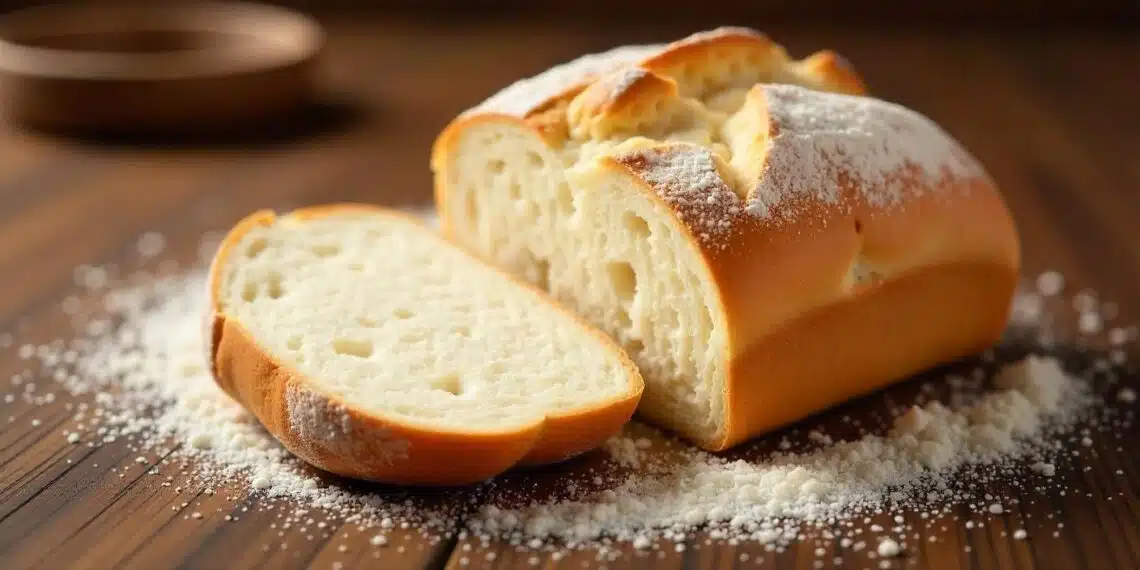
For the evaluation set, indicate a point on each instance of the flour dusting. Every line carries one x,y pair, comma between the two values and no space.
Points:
136,372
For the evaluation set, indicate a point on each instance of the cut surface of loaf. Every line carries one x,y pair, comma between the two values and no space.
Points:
762,239
373,349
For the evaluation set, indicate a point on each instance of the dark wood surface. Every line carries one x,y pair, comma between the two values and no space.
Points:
1053,114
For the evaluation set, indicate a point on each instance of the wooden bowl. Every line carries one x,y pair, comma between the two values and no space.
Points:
161,67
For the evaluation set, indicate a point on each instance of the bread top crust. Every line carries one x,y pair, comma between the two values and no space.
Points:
704,60
728,109
732,133
780,171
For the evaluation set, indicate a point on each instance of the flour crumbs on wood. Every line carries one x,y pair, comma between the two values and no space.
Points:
867,489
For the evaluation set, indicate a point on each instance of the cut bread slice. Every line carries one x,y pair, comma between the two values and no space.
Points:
764,242
373,349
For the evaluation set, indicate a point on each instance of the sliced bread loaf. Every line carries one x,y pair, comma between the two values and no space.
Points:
373,349
764,242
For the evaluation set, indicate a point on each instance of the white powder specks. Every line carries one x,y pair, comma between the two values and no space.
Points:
888,548
617,83
202,440
1126,395
693,488
150,244
1020,534
140,379
686,177
880,148
1090,323
522,97
1050,283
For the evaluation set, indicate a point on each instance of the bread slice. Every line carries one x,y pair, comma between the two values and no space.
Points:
373,349
764,242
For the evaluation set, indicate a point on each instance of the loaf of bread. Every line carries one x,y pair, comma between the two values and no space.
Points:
764,241
373,349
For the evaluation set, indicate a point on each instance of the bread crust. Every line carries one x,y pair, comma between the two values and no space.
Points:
332,434
802,337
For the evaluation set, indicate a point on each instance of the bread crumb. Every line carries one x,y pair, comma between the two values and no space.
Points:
1050,283
996,509
1090,323
888,548
1126,395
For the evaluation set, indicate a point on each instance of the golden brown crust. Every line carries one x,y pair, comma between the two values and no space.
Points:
895,243
945,293
332,434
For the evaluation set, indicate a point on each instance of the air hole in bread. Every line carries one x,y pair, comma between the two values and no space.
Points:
366,322
535,269
356,266
565,200
527,210
634,346
496,166
636,224
472,208
294,343
352,347
542,274
402,314
249,291
256,247
463,331
274,286
514,190
535,160
449,383
623,320
326,249
622,279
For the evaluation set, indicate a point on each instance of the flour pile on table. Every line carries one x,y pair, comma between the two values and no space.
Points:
138,371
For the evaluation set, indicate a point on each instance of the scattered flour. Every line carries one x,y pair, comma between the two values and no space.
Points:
1050,283
888,548
140,377
924,447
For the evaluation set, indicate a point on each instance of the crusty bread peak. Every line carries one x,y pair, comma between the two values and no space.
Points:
717,55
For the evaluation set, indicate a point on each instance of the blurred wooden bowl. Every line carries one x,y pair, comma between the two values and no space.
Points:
162,67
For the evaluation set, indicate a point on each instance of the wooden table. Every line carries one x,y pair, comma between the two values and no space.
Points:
1053,114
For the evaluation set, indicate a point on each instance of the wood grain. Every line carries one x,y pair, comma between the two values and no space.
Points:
1050,112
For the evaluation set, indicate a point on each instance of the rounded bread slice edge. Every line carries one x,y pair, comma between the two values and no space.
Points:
336,436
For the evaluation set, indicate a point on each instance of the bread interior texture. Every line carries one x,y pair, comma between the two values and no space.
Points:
602,247
386,317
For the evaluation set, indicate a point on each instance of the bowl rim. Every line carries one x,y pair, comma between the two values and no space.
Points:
279,37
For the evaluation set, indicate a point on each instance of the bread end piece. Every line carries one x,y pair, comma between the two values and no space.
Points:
344,439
